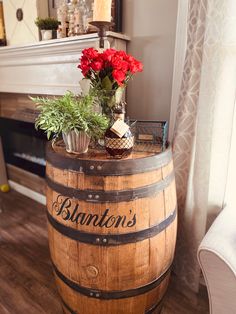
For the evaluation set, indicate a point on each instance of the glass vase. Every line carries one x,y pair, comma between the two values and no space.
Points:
108,99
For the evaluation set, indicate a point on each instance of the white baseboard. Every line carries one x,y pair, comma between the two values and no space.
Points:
28,192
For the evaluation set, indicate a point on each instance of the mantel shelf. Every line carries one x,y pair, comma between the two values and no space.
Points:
49,67
63,42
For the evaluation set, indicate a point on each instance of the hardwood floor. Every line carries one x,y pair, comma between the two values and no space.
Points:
26,279
181,301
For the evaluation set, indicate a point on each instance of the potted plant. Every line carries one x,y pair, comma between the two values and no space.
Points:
73,117
48,27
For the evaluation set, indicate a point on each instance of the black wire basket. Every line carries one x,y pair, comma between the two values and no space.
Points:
150,135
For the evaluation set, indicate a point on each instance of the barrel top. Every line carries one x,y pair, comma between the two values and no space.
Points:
97,162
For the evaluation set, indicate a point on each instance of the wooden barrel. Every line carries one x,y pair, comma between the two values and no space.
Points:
112,230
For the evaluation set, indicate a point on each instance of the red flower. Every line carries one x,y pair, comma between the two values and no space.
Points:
118,64
85,69
119,76
84,60
90,53
121,54
108,54
124,66
115,62
97,65
84,65
129,58
136,66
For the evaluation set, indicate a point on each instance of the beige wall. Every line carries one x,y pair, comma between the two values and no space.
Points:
151,24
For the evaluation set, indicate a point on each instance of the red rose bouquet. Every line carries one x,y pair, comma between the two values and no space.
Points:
108,71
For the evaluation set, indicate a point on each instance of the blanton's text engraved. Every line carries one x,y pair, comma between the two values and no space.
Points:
65,209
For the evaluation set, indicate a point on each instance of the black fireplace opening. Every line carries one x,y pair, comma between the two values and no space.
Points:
23,145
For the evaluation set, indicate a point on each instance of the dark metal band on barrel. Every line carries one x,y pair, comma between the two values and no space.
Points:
100,196
106,167
110,295
156,307
67,307
111,239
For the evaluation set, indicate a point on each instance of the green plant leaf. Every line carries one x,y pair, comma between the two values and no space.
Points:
47,23
106,83
69,112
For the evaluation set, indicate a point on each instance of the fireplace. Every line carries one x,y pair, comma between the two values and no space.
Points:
23,146
44,68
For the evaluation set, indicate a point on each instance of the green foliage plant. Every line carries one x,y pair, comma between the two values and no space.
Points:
47,23
68,113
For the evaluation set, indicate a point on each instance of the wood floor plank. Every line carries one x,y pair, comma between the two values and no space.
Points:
27,283
3,310
180,300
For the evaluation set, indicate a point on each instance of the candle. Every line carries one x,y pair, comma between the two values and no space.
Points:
102,10
1,29
2,35
77,17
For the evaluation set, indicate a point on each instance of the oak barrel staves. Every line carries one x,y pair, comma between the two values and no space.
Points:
112,230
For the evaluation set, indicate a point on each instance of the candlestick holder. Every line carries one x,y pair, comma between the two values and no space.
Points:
103,27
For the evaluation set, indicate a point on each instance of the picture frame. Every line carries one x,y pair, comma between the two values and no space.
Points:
116,12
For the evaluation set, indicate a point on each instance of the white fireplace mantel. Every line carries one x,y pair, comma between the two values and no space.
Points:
49,67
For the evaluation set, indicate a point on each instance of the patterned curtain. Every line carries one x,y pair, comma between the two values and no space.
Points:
203,126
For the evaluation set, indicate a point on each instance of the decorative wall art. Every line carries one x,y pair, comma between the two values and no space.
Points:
19,18
2,27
